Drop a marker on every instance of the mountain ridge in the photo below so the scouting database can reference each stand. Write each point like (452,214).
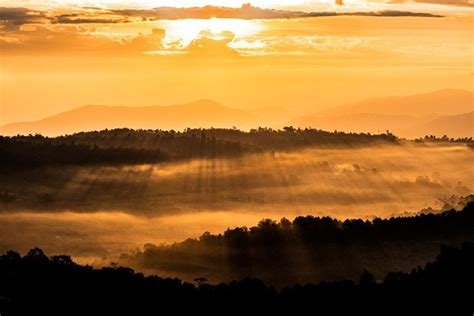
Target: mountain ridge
(446,111)
(200,113)
(408,116)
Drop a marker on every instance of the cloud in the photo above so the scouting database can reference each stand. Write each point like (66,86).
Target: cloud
(86,30)
(464,3)
(208,43)
(13,18)
(303,45)
(249,12)
(147,42)
(77,18)
(72,38)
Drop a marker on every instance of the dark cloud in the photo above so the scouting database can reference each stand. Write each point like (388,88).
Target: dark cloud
(463,3)
(43,35)
(12,18)
(245,12)
(394,13)
(384,13)
(77,39)
(249,12)
(79,18)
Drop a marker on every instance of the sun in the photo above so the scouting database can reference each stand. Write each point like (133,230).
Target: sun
(185,31)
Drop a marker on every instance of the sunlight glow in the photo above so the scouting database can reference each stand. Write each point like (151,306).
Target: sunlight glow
(185,31)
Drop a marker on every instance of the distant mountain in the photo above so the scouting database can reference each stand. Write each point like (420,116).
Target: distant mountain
(452,125)
(447,111)
(202,113)
(441,102)
(357,122)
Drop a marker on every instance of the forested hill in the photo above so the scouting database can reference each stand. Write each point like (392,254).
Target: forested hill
(39,285)
(310,249)
(126,146)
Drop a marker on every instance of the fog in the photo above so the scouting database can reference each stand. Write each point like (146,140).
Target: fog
(97,213)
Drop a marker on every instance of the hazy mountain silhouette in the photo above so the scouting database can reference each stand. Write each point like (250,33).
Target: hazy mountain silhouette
(452,125)
(441,102)
(202,113)
(447,111)
(440,112)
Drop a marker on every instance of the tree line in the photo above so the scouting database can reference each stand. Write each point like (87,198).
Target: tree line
(36,284)
(444,139)
(310,248)
(127,146)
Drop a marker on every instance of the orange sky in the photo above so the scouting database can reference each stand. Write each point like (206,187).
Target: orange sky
(300,64)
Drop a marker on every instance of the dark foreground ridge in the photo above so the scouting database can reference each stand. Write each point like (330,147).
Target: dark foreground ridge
(38,285)
(310,249)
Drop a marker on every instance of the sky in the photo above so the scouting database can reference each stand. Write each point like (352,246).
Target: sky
(58,55)
(307,4)
(172,3)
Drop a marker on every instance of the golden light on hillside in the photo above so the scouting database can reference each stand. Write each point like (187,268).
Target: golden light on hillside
(258,154)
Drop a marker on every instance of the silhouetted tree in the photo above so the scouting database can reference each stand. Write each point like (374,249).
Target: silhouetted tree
(367,280)
(200,280)
(36,284)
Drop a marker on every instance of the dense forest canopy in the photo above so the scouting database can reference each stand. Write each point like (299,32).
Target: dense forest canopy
(310,248)
(104,194)
(126,146)
(37,284)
